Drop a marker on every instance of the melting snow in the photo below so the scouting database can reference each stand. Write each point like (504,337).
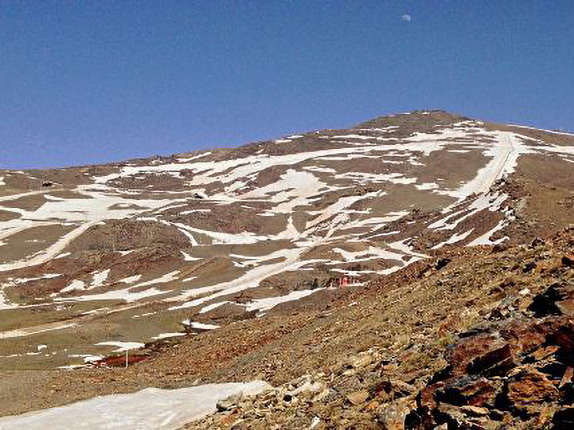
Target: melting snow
(263,305)
(35,330)
(486,201)
(164,409)
(249,280)
(199,326)
(100,278)
(454,239)
(212,306)
(291,190)
(168,277)
(167,335)
(369,254)
(122,346)
(75,285)
(17,281)
(128,294)
(130,279)
(485,238)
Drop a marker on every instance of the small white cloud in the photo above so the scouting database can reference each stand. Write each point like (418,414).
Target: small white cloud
(406,17)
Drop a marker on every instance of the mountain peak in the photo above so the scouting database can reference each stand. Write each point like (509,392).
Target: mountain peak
(416,118)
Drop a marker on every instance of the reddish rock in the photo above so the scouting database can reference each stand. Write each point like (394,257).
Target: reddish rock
(530,388)
(474,411)
(480,393)
(563,336)
(542,353)
(495,362)
(502,378)
(527,338)
(463,391)
(566,307)
(567,378)
(478,354)
(426,398)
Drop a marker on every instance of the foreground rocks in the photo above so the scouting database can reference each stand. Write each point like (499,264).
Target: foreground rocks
(511,367)
(352,396)
(519,376)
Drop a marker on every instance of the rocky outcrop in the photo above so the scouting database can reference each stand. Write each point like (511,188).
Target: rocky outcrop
(517,375)
(352,395)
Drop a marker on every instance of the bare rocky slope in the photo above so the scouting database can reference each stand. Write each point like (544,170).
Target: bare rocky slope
(483,341)
(383,276)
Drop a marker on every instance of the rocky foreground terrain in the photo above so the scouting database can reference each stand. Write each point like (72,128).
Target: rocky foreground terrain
(475,340)
(412,272)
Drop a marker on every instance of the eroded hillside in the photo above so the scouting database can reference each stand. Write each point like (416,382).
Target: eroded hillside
(275,259)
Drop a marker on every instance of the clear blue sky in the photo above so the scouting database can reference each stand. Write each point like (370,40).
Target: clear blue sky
(97,81)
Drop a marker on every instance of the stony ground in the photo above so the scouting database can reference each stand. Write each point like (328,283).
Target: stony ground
(474,338)
(484,343)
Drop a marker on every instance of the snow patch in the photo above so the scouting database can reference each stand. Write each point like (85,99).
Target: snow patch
(199,325)
(167,335)
(164,409)
(122,346)
(269,303)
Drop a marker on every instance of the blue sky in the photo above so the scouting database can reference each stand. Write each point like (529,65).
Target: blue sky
(96,81)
